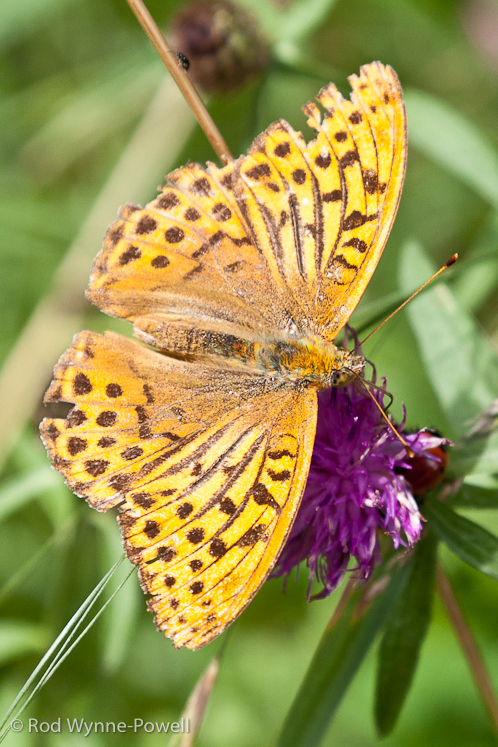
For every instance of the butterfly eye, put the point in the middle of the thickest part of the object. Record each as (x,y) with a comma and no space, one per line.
(339,378)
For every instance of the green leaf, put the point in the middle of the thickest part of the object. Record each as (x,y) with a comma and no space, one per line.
(294,23)
(64,532)
(21,19)
(483,493)
(461,363)
(198,700)
(85,117)
(452,140)
(404,635)
(122,614)
(473,544)
(302,18)
(372,313)
(60,649)
(337,659)
(476,285)
(476,456)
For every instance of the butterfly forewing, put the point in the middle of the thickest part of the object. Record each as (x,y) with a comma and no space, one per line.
(186,253)
(286,238)
(369,139)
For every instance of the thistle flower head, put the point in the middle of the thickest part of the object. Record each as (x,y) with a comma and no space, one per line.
(357,484)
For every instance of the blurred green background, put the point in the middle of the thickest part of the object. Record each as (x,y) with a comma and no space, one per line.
(77,77)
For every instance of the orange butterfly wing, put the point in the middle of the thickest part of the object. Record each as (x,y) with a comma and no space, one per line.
(207,468)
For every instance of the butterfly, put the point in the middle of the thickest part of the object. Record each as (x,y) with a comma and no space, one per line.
(237,279)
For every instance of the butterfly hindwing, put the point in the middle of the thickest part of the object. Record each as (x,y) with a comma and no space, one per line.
(238,521)
(206,466)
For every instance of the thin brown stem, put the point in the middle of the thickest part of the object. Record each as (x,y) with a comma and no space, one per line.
(469,646)
(181,79)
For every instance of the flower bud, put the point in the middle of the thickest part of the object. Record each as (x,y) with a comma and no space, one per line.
(222,42)
(426,470)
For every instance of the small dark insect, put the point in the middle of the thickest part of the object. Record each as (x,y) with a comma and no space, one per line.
(183,61)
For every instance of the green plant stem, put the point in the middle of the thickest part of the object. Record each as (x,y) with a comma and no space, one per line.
(182,80)
(469,646)
(341,604)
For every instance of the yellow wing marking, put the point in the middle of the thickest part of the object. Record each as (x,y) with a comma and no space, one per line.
(207,466)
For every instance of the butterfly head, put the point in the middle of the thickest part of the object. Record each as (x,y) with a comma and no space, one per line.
(346,367)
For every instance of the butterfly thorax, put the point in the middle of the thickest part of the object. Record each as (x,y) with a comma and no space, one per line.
(310,362)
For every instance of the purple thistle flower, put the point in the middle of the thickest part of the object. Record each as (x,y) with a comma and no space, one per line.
(354,488)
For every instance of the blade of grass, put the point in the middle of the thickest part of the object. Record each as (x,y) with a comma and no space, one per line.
(62,655)
(65,650)
(72,625)
(405,632)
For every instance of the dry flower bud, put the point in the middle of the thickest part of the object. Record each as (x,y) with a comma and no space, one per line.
(222,42)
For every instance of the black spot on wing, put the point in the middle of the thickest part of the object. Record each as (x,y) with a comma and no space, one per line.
(356,219)
(263,497)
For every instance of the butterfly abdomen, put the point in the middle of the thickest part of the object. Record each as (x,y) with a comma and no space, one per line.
(206,343)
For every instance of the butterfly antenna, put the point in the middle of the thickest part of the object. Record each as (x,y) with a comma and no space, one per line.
(398,435)
(447,264)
